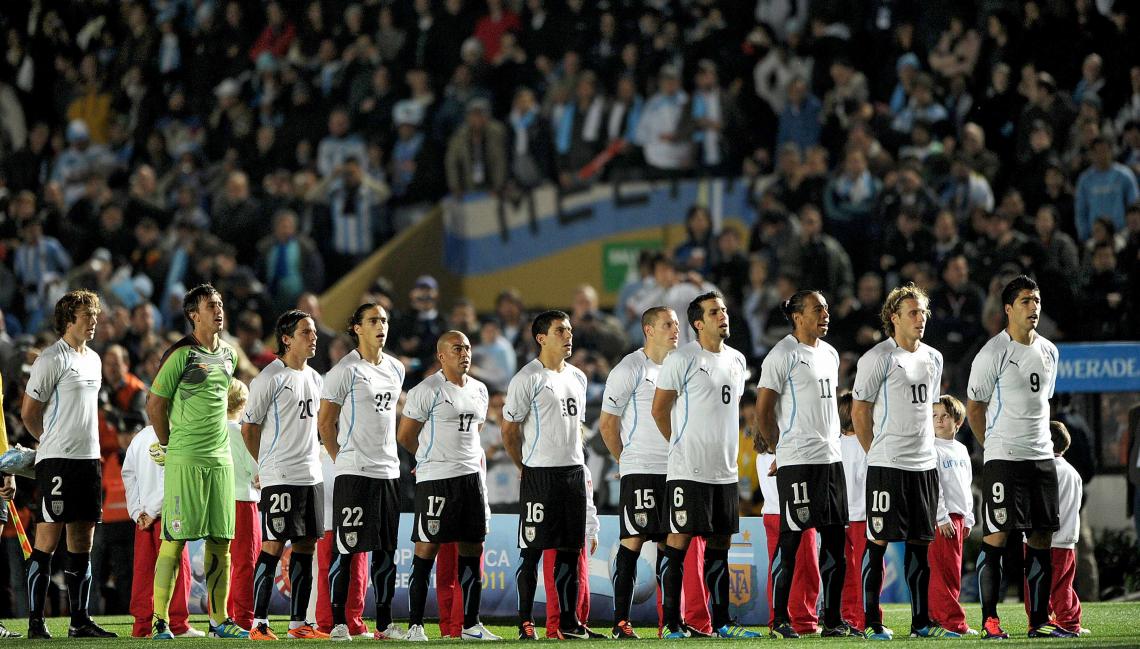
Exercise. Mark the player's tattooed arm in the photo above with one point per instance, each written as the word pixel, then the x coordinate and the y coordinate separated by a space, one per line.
pixel 326 425
pixel 976 415
pixel 512 441
pixel 663 401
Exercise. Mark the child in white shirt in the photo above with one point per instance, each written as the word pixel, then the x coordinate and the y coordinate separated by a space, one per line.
pixel 955 516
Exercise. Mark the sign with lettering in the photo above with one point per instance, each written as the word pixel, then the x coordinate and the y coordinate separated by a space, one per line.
pixel 1099 367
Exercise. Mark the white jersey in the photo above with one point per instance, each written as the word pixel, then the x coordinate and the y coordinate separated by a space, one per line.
pixel 67 383
pixel 706 415
pixel 285 402
pixel 452 417
pixel 806 379
pixel 1069 491
pixel 551 407
pixel 1016 381
pixel 245 467
pixel 629 395
pixel 768 485
pixel 902 385
pixel 854 460
pixel 954 478
pixel 143 480
pixel 366 429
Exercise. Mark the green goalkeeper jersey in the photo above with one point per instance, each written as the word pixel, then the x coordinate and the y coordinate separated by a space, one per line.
pixel 197 381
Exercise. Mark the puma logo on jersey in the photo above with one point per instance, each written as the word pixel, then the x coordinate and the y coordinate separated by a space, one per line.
pixel 1014 363
pixel 805 363
pixel 650 381
pixel 74 370
pixel 547 386
pixel 510 414
pixel 613 400
pixel 705 370
pixel 448 401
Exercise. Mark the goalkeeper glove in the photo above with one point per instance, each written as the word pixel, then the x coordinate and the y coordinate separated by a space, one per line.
pixel 158 454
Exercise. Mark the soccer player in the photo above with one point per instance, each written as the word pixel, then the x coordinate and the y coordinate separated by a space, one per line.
pixel 895 382
pixel 549 557
pixel 642 454
pixel 440 427
pixel 61 410
pixel 545 407
pixel 280 431
pixel 187 407
pixel 1011 381
pixel 697 409
pixel 357 422
pixel 955 516
pixel 797 414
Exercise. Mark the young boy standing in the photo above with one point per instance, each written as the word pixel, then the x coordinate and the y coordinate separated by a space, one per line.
pixel 955 516
pixel 855 472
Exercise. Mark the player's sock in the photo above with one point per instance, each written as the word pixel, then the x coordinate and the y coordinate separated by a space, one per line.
pixel 339 568
pixel 872 583
pixel 418 589
pixel 716 580
pixel 989 578
pixel 471 583
pixel 566 584
pixel 832 572
pixel 783 569
pixel 625 574
pixel 384 581
pixel 165 574
pixel 1038 577
pixel 917 568
pixel 527 579
pixel 78 578
pixel 263 573
pixel 300 586
pixel 217 552
pixel 39 574
pixel 672 575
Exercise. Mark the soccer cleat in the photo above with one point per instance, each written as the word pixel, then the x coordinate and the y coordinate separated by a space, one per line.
pixel 581 632
pixel 971 632
pixel 191 632
pixel 842 630
pixel 478 632
pixel 416 633
pixel 694 632
pixel 5 634
pixel 160 631
pixel 623 631
pixel 1050 630
pixel 878 632
pixel 526 631
pixel 783 631
pixel 393 632
pixel 678 633
pixel 37 630
pixel 88 629
pixel 340 633
pixel 934 631
pixel 992 630
pixel 734 630
pixel 306 632
pixel 228 630
pixel 261 631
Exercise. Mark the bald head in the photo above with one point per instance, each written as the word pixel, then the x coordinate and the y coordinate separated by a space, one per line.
pixel 450 338
pixel 454 353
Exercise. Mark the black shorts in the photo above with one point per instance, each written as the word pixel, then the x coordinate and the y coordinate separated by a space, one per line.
pixel 644 507
pixel 553 507
pixel 811 495
pixel 366 513
pixel 71 491
pixel 292 512
pixel 901 505
pixel 703 509
pixel 450 510
pixel 1019 495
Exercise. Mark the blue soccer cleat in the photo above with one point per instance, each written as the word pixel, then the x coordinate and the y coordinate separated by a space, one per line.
pixel 229 629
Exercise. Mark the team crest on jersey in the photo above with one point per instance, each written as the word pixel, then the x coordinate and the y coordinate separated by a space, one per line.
pixel 529 533
pixel 279 525
pixel 176 525
pixel 803 513
pixel 57 507
pixel 433 527
pixel 877 524
pixel 999 515
pixel 682 516
pixel 350 539
pixel 641 519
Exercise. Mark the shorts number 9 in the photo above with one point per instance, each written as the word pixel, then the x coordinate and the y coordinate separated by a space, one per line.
pixel 998 492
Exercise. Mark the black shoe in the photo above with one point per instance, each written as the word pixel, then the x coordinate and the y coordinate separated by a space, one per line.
pixel 580 632
pixel 88 629
pixel 841 630
pixel 526 631
pixel 783 631
pixel 37 630
pixel 694 633
pixel 5 634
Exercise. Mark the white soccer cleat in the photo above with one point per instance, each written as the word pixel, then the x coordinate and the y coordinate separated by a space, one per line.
pixel 340 633
pixel 393 632
pixel 478 632
pixel 191 633
pixel 416 633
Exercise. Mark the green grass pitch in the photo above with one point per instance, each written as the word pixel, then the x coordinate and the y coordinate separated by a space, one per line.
pixel 1112 624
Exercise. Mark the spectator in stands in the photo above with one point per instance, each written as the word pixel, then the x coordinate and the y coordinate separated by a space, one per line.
pixel 921 107
pixel 578 124
pixel 416 331
pixel 849 202
pixel 957 49
pixel 967 190
pixel 532 149
pixel 477 153
pixel 955 309
pixel 818 259
pixel 713 112
pixel 1002 245
pixel 667 151
pixel 1055 255
pixel 800 118
pixel 908 244
pixel 760 301
pixel 1103 309
pixel 79 161
pixel 730 267
pixel 351 227
pixel 339 145
pixel 595 330
pixel 413 166
pixel 696 252
pixel 289 262
pixel 493 358
pixel 1104 189
pixel 237 216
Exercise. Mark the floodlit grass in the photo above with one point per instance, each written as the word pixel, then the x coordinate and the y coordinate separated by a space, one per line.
pixel 1113 625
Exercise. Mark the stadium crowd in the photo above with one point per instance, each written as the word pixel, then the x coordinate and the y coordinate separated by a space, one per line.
pixel 149 147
